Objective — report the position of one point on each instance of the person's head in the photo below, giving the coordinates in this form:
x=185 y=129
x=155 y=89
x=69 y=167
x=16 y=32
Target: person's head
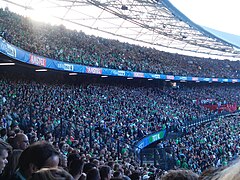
x=71 y=157
x=93 y=174
x=3 y=132
x=209 y=173
x=38 y=155
x=135 y=175
x=4 y=149
x=88 y=166
x=117 y=174
x=76 y=167
x=96 y=162
x=21 y=141
x=48 y=137
x=51 y=174
x=230 y=173
x=13 y=162
x=180 y=174
x=105 y=172
x=63 y=147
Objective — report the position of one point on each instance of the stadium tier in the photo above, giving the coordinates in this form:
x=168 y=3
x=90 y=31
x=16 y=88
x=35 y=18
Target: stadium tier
x=59 y=43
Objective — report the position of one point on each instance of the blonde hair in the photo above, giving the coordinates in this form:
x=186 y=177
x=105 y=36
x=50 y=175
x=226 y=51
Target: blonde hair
x=180 y=174
x=230 y=173
x=51 y=174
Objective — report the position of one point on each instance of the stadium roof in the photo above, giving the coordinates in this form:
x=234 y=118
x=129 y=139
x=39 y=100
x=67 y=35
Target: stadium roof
x=153 y=22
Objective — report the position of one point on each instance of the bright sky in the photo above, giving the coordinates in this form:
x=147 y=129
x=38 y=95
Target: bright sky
x=222 y=15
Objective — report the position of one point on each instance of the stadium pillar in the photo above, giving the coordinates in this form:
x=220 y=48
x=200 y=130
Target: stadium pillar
x=61 y=127
x=30 y=112
x=154 y=157
x=118 y=148
x=90 y=136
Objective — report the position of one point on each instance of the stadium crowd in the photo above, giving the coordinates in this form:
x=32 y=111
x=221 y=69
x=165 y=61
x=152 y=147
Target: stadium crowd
x=126 y=113
x=211 y=93
x=66 y=131
x=89 y=119
x=59 y=43
x=214 y=144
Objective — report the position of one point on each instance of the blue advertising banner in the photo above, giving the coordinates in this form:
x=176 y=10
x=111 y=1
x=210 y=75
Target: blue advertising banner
x=29 y=58
x=150 y=139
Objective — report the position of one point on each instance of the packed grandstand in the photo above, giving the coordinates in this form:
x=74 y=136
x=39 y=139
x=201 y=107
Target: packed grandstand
x=101 y=122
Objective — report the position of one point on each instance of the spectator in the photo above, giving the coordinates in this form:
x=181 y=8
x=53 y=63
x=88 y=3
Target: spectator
x=180 y=174
x=135 y=176
x=93 y=174
x=71 y=157
x=21 y=141
x=229 y=173
x=12 y=165
x=51 y=174
x=5 y=148
x=36 y=156
x=76 y=168
x=3 y=134
x=105 y=172
x=88 y=166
